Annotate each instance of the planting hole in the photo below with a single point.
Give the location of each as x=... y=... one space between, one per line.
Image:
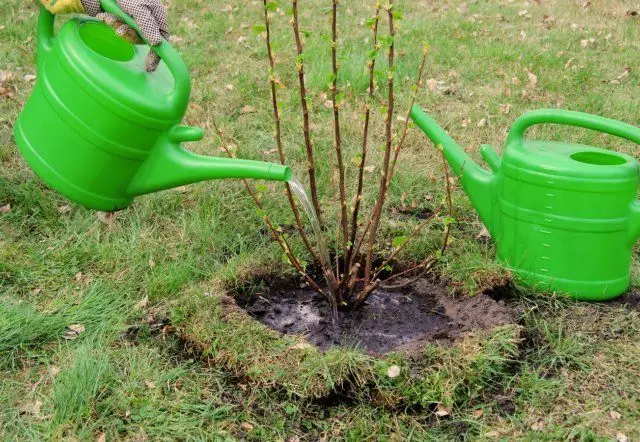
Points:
x=390 y=319
x=598 y=158
x=103 y=40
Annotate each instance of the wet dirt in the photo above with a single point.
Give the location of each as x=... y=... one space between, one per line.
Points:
x=389 y=320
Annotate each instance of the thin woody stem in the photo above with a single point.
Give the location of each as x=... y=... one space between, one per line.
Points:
x=308 y=143
x=337 y=134
x=405 y=126
x=387 y=152
x=278 y=132
x=413 y=234
x=282 y=242
x=365 y=141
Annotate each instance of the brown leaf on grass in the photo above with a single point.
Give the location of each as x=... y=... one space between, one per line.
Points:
x=73 y=331
x=32 y=408
x=621 y=437
x=478 y=413
x=107 y=218
x=150 y=385
x=54 y=370
x=270 y=151
x=29 y=77
x=370 y=169
x=151 y=263
x=442 y=411
x=247 y=109
x=64 y=209
x=79 y=277
x=615 y=415
x=533 y=80
x=142 y=303
x=622 y=76
x=229 y=87
x=505 y=108
x=102 y=437
x=246 y=426
x=5 y=209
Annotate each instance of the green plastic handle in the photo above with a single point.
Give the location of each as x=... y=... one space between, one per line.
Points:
x=182 y=88
x=515 y=139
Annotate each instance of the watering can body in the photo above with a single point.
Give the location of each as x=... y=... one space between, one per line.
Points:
x=564 y=217
x=101 y=130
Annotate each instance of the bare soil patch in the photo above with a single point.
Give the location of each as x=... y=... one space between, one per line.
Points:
x=389 y=320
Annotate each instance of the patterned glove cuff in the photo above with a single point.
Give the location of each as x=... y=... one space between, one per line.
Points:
x=92 y=7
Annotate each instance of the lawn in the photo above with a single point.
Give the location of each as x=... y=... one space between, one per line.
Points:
x=121 y=327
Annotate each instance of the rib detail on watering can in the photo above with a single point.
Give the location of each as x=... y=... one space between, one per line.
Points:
x=564 y=217
x=101 y=130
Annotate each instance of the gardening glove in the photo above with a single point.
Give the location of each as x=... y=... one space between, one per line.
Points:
x=149 y=15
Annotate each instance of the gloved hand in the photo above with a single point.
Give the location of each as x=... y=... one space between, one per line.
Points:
x=149 y=15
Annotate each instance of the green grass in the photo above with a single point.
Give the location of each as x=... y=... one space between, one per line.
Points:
x=568 y=371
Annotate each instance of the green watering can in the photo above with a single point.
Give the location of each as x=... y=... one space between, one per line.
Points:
x=101 y=130
x=564 y=217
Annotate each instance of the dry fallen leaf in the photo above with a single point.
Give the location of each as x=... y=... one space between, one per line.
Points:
x=54 y=370
x=621 y=437
x=5 y=209
x=370 y=169
x=29 y=77
x=78 y=277
x=301 y=346
x=142 y=303
x=150 y=385
x=73 y=331
x=442 y=411
x=152 y=263
x=107 y=218
x=505 y=108
x=32 y=408
x=229 y=87
x=64 y=209
x=393 y=371
x=482 y=122
x=478 y=413
x=247 y=109
x=533 y=80
x=615 y=415
x=102 y=437
x=432 y=84
x=246 y=426
x=270 y=151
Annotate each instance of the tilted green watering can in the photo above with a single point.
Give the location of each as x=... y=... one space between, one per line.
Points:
x=564 y=217
x=101 y=130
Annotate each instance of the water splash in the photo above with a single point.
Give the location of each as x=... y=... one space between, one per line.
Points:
x=298 y=190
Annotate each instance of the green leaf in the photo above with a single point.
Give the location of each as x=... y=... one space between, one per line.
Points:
x=262 y=187
x=370 y=23
x=272 y=5
x=261 y=213
x=399 y=241
x=259 y=29
x=397 y=14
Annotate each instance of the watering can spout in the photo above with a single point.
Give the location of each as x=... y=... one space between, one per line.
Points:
x=477 y=182
x=170 y=165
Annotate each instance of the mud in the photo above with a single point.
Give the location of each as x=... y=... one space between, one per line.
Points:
x=389 y=320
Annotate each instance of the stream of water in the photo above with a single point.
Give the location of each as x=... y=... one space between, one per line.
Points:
x=298 y=190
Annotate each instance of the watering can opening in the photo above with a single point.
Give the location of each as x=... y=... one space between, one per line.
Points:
x=598 y=158
x=103 y=40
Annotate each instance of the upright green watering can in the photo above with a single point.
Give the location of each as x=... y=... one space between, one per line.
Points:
x=101 y=130
x=564 y=217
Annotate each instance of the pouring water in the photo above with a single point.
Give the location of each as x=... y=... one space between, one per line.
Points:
x=298 y=189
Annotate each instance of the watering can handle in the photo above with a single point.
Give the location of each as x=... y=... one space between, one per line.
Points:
x=182 y=88
x=515 y=139
x=179 y=97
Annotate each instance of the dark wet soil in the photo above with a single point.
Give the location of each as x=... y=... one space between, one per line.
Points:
x=389 y=320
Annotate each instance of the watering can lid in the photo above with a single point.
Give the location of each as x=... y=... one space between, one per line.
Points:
x=112 y=69
x=578 y=161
